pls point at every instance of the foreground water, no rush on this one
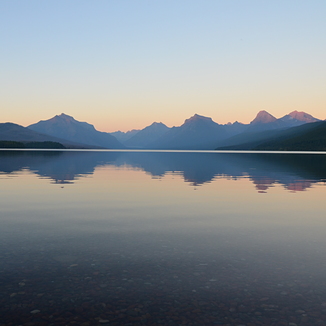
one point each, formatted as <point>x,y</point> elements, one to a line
<point>131,238</point>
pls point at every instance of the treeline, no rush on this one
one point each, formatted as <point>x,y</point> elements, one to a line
<point>42,144</point>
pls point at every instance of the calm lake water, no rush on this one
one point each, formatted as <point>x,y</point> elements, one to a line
<point>162,238</point>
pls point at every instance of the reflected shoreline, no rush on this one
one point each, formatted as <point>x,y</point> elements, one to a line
<point>295,171</point>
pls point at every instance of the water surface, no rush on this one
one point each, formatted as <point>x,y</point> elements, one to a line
<point>162,238</point>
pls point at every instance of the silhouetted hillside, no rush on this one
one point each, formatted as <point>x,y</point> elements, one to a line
<point>310,137</point>
<point>253,140</point>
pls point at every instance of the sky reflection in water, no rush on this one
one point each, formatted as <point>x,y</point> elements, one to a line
<point>138,238</point>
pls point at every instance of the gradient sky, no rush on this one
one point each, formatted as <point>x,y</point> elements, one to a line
<point>122,64</point>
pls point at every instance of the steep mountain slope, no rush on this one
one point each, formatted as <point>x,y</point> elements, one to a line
<point>66,127</point>
<point>264,121</point>
<point>263,117</point>
<point>197,132</point>
<point>147,135</point>
<point>309,137</point>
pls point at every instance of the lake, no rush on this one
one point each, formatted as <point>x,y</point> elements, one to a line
<point>162,238</point>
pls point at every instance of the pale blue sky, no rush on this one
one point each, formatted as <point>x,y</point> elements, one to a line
<point>124,64</point>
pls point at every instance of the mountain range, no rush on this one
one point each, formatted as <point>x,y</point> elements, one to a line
<point>199,132</point>
<point>265,131</point>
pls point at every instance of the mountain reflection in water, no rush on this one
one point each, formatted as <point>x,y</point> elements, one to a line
<point>117,246</point>
<point>296,172</point>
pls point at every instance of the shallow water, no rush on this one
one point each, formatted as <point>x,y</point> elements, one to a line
<point>162,238</point>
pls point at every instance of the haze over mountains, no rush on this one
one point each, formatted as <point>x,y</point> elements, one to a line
<point>197,132</point>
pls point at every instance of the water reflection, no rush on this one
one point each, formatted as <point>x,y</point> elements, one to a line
<point>296,172</point>
<point>121,248</point>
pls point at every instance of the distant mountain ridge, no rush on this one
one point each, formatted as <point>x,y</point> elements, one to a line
<point>200,132</point>
<point>124,136</point>
<point>66,127</point>
<point>146,136</point>
<point>197,132</point>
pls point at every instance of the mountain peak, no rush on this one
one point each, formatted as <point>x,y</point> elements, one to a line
<point>147,135</point>
<point>263,117</point>
<point>65,117</point>
<point>197,117</point>
<point>302,116</point>
<point>157,124</point>
<point>66,127</point>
